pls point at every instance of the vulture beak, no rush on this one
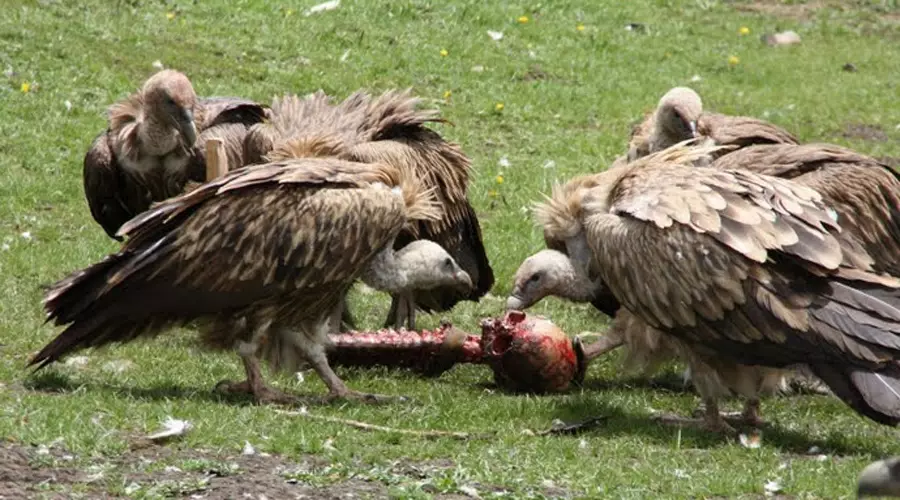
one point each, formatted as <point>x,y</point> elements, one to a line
<point>881,478</point>
<point>464,279</point>
<point>515,303</point>
<point>185,124</point>
<point>693,126</point>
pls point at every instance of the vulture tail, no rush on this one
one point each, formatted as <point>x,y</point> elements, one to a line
<point>873,394</point>
<point>862,319</point>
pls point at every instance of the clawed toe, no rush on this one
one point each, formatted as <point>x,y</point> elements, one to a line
<point>716,426</point>
<point>364,397</point>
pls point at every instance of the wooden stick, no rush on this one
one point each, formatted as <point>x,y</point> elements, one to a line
<point>381,428</point>
<point>216,159</point>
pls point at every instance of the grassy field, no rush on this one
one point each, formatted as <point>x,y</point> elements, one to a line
<point>554,97</point>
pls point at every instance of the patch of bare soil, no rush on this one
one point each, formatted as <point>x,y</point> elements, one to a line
<point>31,472</point>
<point>777,8</point>
<point>865,132</point>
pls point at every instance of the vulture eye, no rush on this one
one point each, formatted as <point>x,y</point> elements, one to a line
<point>535,277</point>
<point>448,262</point>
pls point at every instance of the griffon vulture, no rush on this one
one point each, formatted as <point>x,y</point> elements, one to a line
<point>880,479</point>
<point>155,144</point>
<point>261,258</point>
<point>679,116</point>
<point>744,270</point>
<point>389,129</point>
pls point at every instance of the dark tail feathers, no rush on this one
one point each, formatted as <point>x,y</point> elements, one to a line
<point>873,394</point>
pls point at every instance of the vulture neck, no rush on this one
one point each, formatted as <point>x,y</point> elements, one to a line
<point>386,272</point>
<point>578,285</point>
<point>664,127</point>
<point>157,137</point>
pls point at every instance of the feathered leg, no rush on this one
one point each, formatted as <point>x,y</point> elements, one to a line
<point>402,313</point>
<point>712,420</point>
<point>602,346</point>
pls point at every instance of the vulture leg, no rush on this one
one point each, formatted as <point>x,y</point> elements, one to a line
<point>749,415</point>
<point>348,322</point>
<point>403,310</point>
<point>254,385</point>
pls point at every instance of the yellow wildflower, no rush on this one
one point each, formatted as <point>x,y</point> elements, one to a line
<point>447,94</point>
<point>579,27</point>
<point>492,193</point>
<point>289,12</point>
<point>744,30</point>
<point>444,53</point>
<point>733,60</point>
<point>499,106</point>
<point>170,15</point>
<point>25,88</point>
<point>499,179</point>
<point>523,19</point>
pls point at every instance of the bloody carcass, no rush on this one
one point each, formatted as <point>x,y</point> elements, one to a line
<point>526,353</point>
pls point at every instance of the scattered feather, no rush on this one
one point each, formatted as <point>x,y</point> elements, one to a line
<point>582,444</point>
<point>172,468</point>
<point>495,35</point>
<point>772,487</point>
<point>477,68</point>
<point>77,361</point>
<point>158,64</point>
<point>784,38</point>
<point>68,104</point>
<point>681,474</point>
<point>299,377</point>
<point>345,55</point>
<point>248,449</point>
<point>172,427</point>
<point>549,164</point>
<point>503,162</point>
<point>323,7</point>
<point>328,445</point>
<point>469,491</point>
<point>696,78</point>
<point>4,247</point>
<point>132,488</point>
<point>26,235</point>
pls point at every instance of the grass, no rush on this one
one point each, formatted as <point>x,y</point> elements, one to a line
<point>569,96</point>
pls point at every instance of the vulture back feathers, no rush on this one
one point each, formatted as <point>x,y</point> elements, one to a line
<point>270,247</point>
<point>387,129</point>
<point>155,144</point>
<point>744,267</point>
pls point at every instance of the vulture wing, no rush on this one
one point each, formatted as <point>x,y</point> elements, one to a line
<point>110,195</point>
<point>864,192</point>
<point>741,131</point>
<point>228,119</point>
<point>746,267</point>
<point>292,234</point>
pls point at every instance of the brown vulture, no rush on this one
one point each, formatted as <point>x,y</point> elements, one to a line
<point>389,129</point>
<point>679,116</point>
<point>155,144</point>
<point>745,271</point>
<point>260,258</point>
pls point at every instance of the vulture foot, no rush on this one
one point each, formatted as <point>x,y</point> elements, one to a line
<point>749,416</point>
<point>262,394</point>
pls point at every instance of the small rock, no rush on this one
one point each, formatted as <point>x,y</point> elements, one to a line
<point>849,67</point>
<point>784,38</point>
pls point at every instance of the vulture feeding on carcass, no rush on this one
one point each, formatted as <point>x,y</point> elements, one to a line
<point>260,258</point>
<point>388,129</point>
<point>744,270</point>
<point>679,116</point>
<point>155,144</point>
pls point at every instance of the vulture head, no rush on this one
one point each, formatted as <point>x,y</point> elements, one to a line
<point>424,265</point>
<point>549,272</point>
<point>880,479</point>
<point>677,114</point>
<point>170,97</point>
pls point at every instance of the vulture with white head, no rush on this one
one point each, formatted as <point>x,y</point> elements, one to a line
<point>261,259</point>
<point>743,270</point>
<point>679,116</point>
<point>389,129</point>
<point>155,144</point>
<point>880,479</point>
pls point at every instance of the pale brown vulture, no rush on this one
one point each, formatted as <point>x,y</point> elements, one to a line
<point>261,259</point>
<point>880,479</point>
<point>744,270</point>
<point>679,116</point>
<point>155,144</point>
<point>388,129</point>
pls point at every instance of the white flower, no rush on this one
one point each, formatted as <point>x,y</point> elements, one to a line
<point>503,162</point>
<point>696,78</point>
<point>26,235</point>
<point>495,35</point>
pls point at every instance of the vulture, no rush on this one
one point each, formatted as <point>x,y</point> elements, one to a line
<point>260,259</point>
<point>155,144</point>
<point>679,116</point>
<point>880,479</point>
<point>388,129</point>
<point>744,271</point>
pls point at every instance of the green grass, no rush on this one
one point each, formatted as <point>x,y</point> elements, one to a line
<point>569,97</point>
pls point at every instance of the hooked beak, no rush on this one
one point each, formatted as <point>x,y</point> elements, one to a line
<point>186,127</point>
<point>464,279</point>
<point>515,303</point>
<point>693,126</point>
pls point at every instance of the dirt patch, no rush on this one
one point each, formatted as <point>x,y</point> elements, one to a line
<point>865,132</point>
<point>535,73</point>
<point>777,8</point>
<point>52,472</point>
